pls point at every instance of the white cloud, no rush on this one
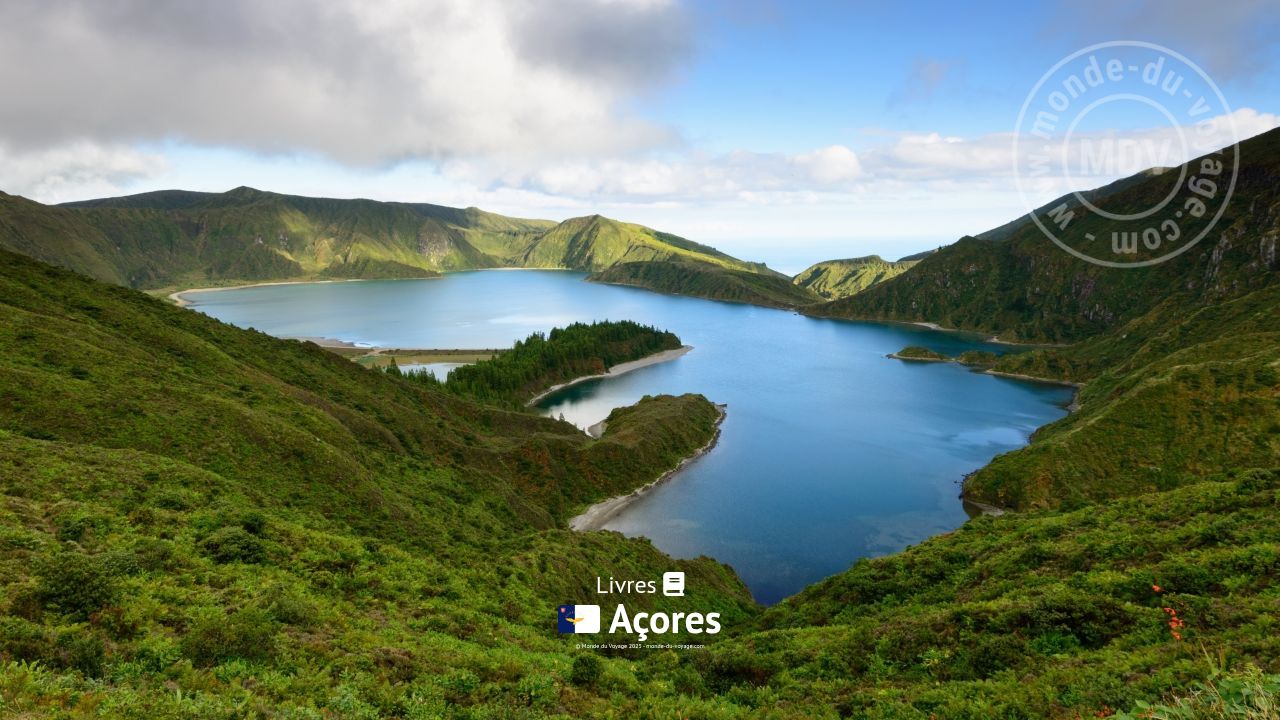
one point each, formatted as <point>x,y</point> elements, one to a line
<point>360,82</point>
<point>76,170</point>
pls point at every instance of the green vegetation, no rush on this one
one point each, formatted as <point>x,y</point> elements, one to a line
<point>916,352</point>
<point>596,243</point>
<point>540,361</point>
<point>705,280</point>
<point>1242,695</point>
<point>834,279</point>
<point>1015,283</point>
<point>174,239</point>
<point>1033,615</point>
<point>202,521</point>
<point>385,357</point>
<point>1170,398</point>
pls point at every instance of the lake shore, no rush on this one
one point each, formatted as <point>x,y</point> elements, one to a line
<point>909,358</point>
<point>989,338</point>
<point>1073,406</point>
<point>595,516</point>
<point>180,301</point>
<point>616,370</point>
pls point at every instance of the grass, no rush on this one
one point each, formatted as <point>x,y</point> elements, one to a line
<point>834,279</point>
<point>201,521</point>
<point>920,354</point>
<point>705,280</point>
<point>177,240</point>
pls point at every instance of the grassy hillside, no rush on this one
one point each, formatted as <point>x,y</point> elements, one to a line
<point>1041,615</point>
<point>203,521</point>
<point>1172,397</point>
<point>832,279</point>
<point>250,520</point>
<point>595,243</point>
<point>705,280</point>
<point>1180,360</point>
<point>1018,284</point>
<point>178,238</point>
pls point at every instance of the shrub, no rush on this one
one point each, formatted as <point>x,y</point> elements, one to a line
<point>72,648</point>
<point>586,671</point>
<point>75,584</point>
<point>248,633</point>
<point>233,544</point>
<point>537,691</point>
<point>153,554</point>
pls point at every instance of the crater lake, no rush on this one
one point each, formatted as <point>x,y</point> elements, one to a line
<point>829,452</point>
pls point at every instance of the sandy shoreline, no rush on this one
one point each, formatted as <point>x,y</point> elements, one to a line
<point>989,338</point>
<point>594,517</point>
<point>180,301</point>
<point>1073,406</point>
<point>616,370</point>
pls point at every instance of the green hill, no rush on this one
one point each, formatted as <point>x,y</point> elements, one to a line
<point>179,238</point>
<point>758,286</point>
<point>180,498</point>
<point>1020,285</point>
<point>1174,396</point>
<point>1180,360</point>
<point>595,243</point>
<point>832,279</point>
<point>1042,615</point>
<point>203,521</point>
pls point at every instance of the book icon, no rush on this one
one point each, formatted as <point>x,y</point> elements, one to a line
<point>673,584</point>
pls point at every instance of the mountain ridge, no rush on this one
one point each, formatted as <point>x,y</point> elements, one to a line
<point>178,238</point>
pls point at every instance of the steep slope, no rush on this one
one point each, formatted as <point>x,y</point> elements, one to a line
<point>181,499</point>
<point>179,238</point>
<point>705,280</point>
<point>1022,286</point>
<point>1172,397</point>
<point>1042,615</point>
<point>1179,360</point>
<point>595,243</point>
<point>833,279</point>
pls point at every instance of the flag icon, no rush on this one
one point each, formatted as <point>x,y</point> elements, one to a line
<point>578,619</point>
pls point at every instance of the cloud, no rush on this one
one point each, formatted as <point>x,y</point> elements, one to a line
<point>362,83</point>
<point>1231,40</point>
<point>696,177</point>
<point>932,157</point>
<point>924,165</point>
<point>927,75</point>
<point>75,170</point>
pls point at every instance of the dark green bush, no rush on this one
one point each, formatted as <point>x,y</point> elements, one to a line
<point>249,633</point>
<point>70,648</point>
<point>586,670</point>
<point>75,584</point>
<point>233,544</point>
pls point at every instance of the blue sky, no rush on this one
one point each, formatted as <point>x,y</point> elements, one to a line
<point>783,131</point>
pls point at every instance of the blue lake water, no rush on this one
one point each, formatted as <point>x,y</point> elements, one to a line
<point>830,451</point>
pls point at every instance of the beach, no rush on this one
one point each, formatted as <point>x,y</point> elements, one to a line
<point>180,301</point>
<point>619,369</point>
<point>594,517</point>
